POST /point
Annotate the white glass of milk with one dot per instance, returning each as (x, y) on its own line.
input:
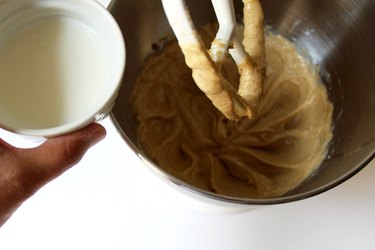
(61, 65)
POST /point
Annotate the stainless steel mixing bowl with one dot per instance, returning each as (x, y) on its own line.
(338, 35)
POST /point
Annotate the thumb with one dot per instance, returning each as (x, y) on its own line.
(58, 154)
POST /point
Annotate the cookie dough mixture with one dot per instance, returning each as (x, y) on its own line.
(183, 133)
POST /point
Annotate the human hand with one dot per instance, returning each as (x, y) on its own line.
(24, 171)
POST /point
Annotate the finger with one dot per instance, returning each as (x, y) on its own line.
(4, 146)
(58, 154)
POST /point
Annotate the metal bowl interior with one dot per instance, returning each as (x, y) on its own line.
(337, 35)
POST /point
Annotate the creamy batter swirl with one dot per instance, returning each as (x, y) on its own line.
(184, 134)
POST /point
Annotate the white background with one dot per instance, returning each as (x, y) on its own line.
(111, 201)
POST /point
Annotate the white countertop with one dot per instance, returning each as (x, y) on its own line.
(111, 201)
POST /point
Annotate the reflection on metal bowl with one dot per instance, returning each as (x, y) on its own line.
(336, 34)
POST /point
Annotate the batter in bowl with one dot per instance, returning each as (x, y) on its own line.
(184, 134)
